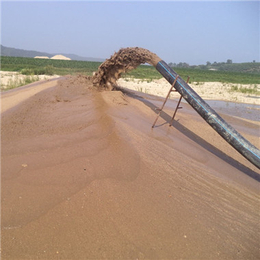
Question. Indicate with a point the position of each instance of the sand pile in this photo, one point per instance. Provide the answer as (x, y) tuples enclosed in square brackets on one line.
[(85, 177), (122, 61), (55, 57), (60, 57), (41, 57)]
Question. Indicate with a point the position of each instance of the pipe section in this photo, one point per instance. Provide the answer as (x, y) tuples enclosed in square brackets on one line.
[(243, 146)]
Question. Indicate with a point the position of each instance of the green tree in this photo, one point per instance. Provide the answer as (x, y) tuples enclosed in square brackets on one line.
[(229, 61)]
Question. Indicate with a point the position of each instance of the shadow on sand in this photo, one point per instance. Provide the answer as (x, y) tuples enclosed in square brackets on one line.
[(191, 135)]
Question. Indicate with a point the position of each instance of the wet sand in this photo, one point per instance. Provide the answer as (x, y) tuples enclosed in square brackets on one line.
[(84, 176)]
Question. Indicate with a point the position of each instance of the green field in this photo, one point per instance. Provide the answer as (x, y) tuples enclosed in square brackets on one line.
[(199, 75), (31, 66), (47, 66)]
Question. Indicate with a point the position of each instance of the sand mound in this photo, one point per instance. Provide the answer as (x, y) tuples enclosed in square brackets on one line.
[(41, 57), (122, 61), (85, 176), (60, 57)]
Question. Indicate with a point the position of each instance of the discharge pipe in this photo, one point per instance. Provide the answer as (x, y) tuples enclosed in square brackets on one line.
[(129, 58), (243, 146)]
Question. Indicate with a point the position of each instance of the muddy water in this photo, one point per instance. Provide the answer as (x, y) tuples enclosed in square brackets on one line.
[(247, 111)]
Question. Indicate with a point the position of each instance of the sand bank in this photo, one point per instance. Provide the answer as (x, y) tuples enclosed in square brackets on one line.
[(207, 90), (11, 78), (85, 177)]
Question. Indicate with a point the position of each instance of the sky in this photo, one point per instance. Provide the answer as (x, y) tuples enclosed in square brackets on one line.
[(177, 31)]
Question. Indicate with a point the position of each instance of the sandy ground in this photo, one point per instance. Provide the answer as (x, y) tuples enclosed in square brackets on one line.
[(10, 77), (85, 177), (207, 90)]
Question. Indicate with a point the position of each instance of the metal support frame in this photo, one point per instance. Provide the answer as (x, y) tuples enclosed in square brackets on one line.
[(177, 107)]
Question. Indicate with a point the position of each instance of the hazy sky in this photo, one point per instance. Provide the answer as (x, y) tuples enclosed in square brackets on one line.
[(177, 31)]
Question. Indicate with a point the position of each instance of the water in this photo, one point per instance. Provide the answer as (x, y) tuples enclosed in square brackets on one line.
[(242, 110), (246, 111)]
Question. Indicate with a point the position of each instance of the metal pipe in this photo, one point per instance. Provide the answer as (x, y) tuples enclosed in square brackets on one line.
[(243, 146)]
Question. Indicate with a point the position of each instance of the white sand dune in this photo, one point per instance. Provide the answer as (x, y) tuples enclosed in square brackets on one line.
[(60, 57)]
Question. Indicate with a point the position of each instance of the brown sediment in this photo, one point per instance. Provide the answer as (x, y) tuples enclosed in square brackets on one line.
[(122, 61), (85, 177)]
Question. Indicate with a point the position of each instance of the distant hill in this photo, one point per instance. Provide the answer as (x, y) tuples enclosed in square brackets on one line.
[(7, 51)]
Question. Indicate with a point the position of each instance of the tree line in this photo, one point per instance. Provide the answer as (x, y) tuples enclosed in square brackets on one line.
[(208, 64)]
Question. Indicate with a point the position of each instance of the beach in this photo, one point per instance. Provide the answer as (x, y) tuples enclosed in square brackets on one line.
[(84, 176)]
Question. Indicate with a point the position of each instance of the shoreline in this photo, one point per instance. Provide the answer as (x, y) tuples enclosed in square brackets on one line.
[(207, 90), (216, 91), (14, 78)]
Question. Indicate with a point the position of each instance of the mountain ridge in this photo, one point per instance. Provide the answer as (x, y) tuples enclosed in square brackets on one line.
[(15, 52)]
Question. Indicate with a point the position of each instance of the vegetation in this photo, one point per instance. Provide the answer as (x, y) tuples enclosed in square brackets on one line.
[(15, 83), (244, 73), (198, 75), (246, 67), (31, 66), (251, 90)]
